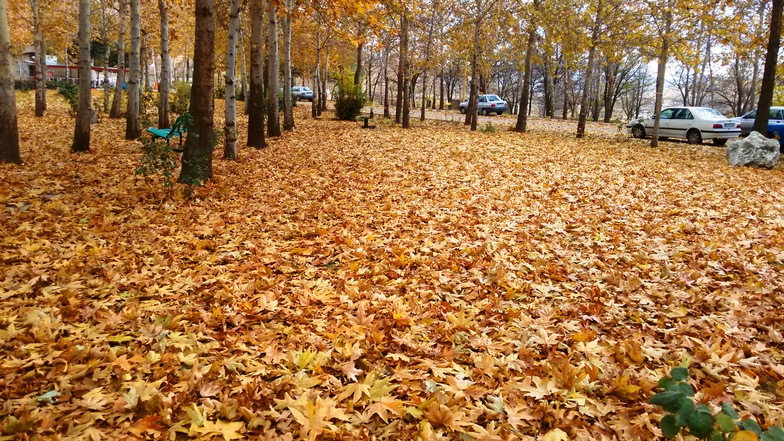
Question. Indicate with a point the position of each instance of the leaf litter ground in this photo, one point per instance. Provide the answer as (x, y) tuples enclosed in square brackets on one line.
[(385, 284)]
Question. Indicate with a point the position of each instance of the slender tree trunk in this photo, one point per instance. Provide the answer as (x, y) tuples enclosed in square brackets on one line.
[(406, 122), (473, 99), (323, 101), (358, 72), (164, 84), (118, 85), (256, 96), (81, 141), (386, 83), (288, 110), (441, 92), (230, 126), (769, 74), (243, 71), (144, 66), (187, 62), (423, 108), (132, 124), (399, 85), (105, 38), (755, 72), (315, 104), (273, 118), (197, 158), (589, 71), (662, 65), (9, 129), (40, 59), (522, 115)]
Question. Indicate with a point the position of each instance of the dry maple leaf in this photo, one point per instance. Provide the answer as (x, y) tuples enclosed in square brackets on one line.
[(228, 430)]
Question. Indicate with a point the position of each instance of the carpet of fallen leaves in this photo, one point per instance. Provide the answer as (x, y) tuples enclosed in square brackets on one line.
[(384, 284)]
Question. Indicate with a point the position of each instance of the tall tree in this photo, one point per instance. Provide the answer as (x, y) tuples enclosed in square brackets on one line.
[(256, 95), (273, 116), (288, 111), (118, 90), (661, 66), (105, 41), (403, 88), (589, 69), (132, 123), (769, 74), (165, 82), (9, 130), (40, 58), (230, 126), (525, 94), (197, 157), (81, 141)]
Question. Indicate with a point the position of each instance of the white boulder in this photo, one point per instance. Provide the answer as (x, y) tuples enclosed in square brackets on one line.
[(754, 150)]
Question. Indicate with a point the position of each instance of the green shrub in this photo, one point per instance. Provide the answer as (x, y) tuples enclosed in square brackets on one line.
[(158, 159), (181, 102), (698, 420), (349, 99), (70, 92), (488, 128)]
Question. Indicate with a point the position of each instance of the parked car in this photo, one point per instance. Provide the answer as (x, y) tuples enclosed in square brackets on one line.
[(776, 118), (693, 124), (487, 104), (302, 93)]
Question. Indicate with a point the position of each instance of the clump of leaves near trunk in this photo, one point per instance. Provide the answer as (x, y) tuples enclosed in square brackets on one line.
[(70, 92), (181, 101), (349, 99), (699, 420), (158, 159)]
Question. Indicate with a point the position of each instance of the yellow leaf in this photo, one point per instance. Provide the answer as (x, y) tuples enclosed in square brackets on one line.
[(556, 435), (745, 435), (227, 430)]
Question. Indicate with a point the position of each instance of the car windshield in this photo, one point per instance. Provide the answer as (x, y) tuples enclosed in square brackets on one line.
[(493, 98), (708, 112)]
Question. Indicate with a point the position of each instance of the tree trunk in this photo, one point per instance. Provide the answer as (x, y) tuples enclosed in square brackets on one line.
[(386, 83), (40, 59), (399, 85), (81, 141), (230, 126), (358, 72), (522, 115), (197, 157), (243, 69), (589, 71), (755, 72), (105, 38), (609, 89), (187, 62), (423, 108), (9, 129), (325, 75), (769, 74), (164, 84), (473, 98), (273, 118), (441, 93), (288, 109), (662, 65), (132, 125), (118, 85), (315, 103), (256, 96), (406, 122)]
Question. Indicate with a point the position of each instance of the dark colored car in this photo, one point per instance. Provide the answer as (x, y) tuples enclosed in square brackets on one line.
[(747, 120)]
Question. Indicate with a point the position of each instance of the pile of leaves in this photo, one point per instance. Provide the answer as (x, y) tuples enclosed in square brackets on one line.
[(394, 284)]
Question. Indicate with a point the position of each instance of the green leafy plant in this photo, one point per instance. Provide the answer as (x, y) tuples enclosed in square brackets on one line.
[(158, 159), (70, 92), (180, 103), (349, 99), (488, 128), (677, 400)]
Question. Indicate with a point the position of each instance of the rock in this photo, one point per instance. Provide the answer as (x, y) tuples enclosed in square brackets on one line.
[(754, 150)]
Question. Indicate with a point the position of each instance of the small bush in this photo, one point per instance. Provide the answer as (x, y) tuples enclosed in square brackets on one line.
[(488, 128), (24, 86), (698, 420), (158, 159), (349, 99), (70, 92), (181, 102)]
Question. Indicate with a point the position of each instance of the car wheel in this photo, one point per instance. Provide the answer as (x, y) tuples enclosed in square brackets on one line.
[(463, 110), (719, 142), (638, 131), (485, 112), (500, 113), (693, 136)]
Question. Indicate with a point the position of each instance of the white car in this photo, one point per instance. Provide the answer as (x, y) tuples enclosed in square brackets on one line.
[(693, 124), (486, 104)]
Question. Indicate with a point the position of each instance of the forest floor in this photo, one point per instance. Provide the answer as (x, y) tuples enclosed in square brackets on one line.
[(384, 284)]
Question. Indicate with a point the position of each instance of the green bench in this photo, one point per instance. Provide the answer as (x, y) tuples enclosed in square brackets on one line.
[(179, 127)]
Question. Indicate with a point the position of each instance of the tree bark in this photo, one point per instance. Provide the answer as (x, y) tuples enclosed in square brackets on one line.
[(662, 65), (522, 115), (164, 84), (288, 109), (358, 72), (399, 85), (40, 59), (386, 83), (273, 118), (132, 124), (243, 69), (406, 122), (81, 141), (323, 101), (9, 128), (230, 125), (769, 74), (256, 95), (105, 38), (589, 71), (118, 89), (473, 97), (197, 157)]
